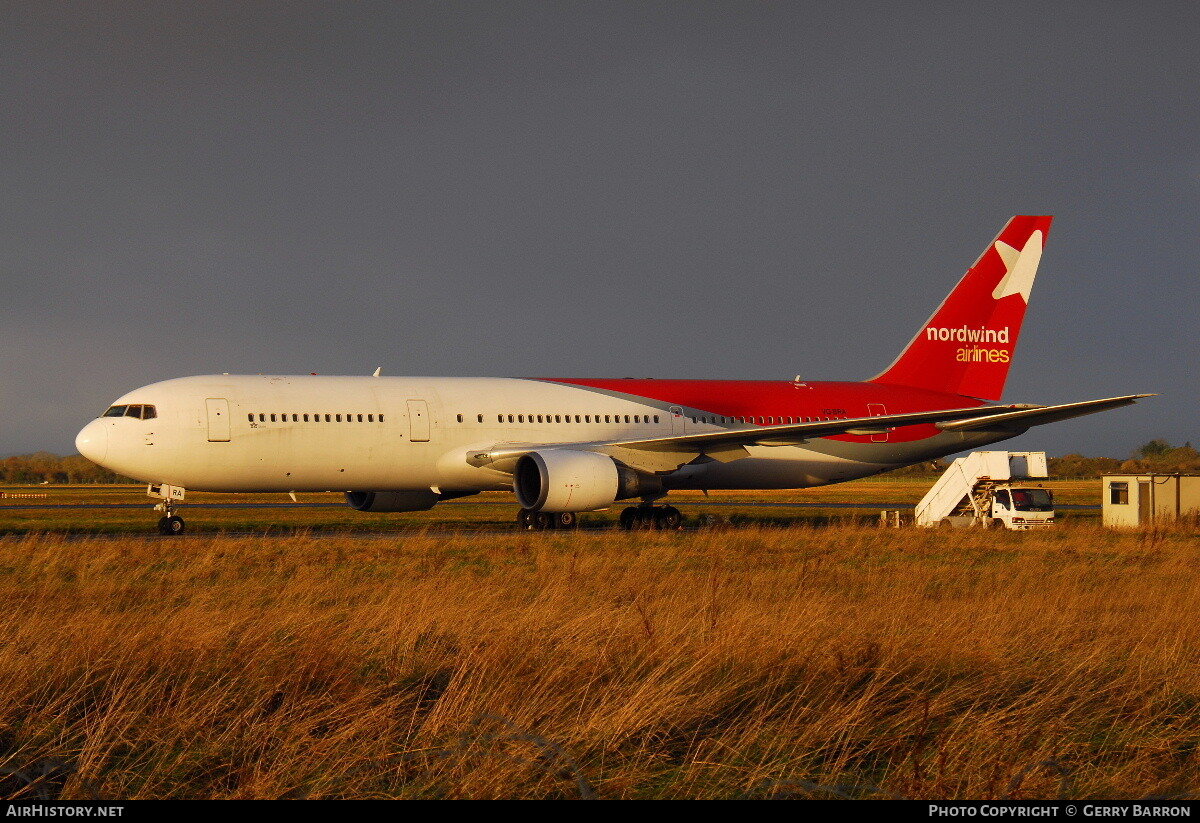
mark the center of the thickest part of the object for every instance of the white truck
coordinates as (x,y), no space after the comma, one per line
(984,489)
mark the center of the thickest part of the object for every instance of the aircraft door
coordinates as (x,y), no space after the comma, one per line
(877,410)
(418,421)
(218,419)
(677,420)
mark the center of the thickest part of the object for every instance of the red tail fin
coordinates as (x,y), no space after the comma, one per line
(967,345)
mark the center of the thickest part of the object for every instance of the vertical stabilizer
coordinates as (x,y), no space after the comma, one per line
(967,346)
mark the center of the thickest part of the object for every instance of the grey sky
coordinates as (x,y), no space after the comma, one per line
(603,189)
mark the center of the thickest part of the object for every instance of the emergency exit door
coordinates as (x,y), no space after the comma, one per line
(218,419)
(418,421)
(677,421)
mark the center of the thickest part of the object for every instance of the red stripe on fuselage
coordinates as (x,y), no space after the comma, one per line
(770,398)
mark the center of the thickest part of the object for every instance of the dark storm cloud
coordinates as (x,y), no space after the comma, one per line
(724,190)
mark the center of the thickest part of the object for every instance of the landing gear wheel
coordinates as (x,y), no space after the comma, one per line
(525,519)
(565,520)
(997,523)
(668,518)
(170,525)
(627,517)
(543,521)
(665,518)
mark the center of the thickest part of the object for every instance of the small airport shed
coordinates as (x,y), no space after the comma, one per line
(1131,500)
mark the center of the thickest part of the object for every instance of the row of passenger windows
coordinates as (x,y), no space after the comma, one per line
(644,418)
(313,418)
(137,412)
(568,418)
(761,421)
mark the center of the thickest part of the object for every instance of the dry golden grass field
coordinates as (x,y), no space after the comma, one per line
(811,660)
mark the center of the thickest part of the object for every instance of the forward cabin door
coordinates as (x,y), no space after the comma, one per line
(418,421)
(218,419)
(877,410)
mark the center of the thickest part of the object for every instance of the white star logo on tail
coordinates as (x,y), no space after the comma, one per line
(1021,265)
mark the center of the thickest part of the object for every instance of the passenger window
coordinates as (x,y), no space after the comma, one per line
(306,417)
(339,418)
(656,418)
(295,418)
(272,418)
(460,418)
(381,418)
(250,417)
(607,418)
(360,418)
(480,416)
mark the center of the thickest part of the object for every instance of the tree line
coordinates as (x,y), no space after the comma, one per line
(1157,456)
(44,467)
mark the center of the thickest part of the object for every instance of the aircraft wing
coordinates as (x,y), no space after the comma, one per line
(725,439)
(730,444)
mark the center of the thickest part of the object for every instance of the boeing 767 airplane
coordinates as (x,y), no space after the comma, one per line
(569,445)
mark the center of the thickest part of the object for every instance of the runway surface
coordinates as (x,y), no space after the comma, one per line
(506,504)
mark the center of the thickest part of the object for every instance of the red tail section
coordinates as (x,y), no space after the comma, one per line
(967,345)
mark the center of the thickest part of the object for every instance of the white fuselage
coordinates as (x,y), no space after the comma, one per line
(239,433)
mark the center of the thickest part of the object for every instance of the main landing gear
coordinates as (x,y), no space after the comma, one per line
(541,521)
(663,518)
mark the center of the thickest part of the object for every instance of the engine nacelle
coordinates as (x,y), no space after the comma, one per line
(564,480)
(405,501)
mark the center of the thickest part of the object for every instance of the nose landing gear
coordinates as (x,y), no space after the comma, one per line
(170,523)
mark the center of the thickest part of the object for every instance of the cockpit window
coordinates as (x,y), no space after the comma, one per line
(136,411)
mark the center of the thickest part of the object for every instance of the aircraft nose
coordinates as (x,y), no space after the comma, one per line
(92,441)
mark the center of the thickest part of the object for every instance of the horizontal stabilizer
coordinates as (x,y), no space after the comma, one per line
(1020,420)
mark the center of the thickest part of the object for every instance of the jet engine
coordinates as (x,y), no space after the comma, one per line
(404,501)
(565,480)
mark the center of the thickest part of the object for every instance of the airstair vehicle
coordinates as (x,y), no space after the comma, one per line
(983,489)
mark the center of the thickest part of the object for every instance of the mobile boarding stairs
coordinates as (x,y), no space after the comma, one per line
(979,490)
